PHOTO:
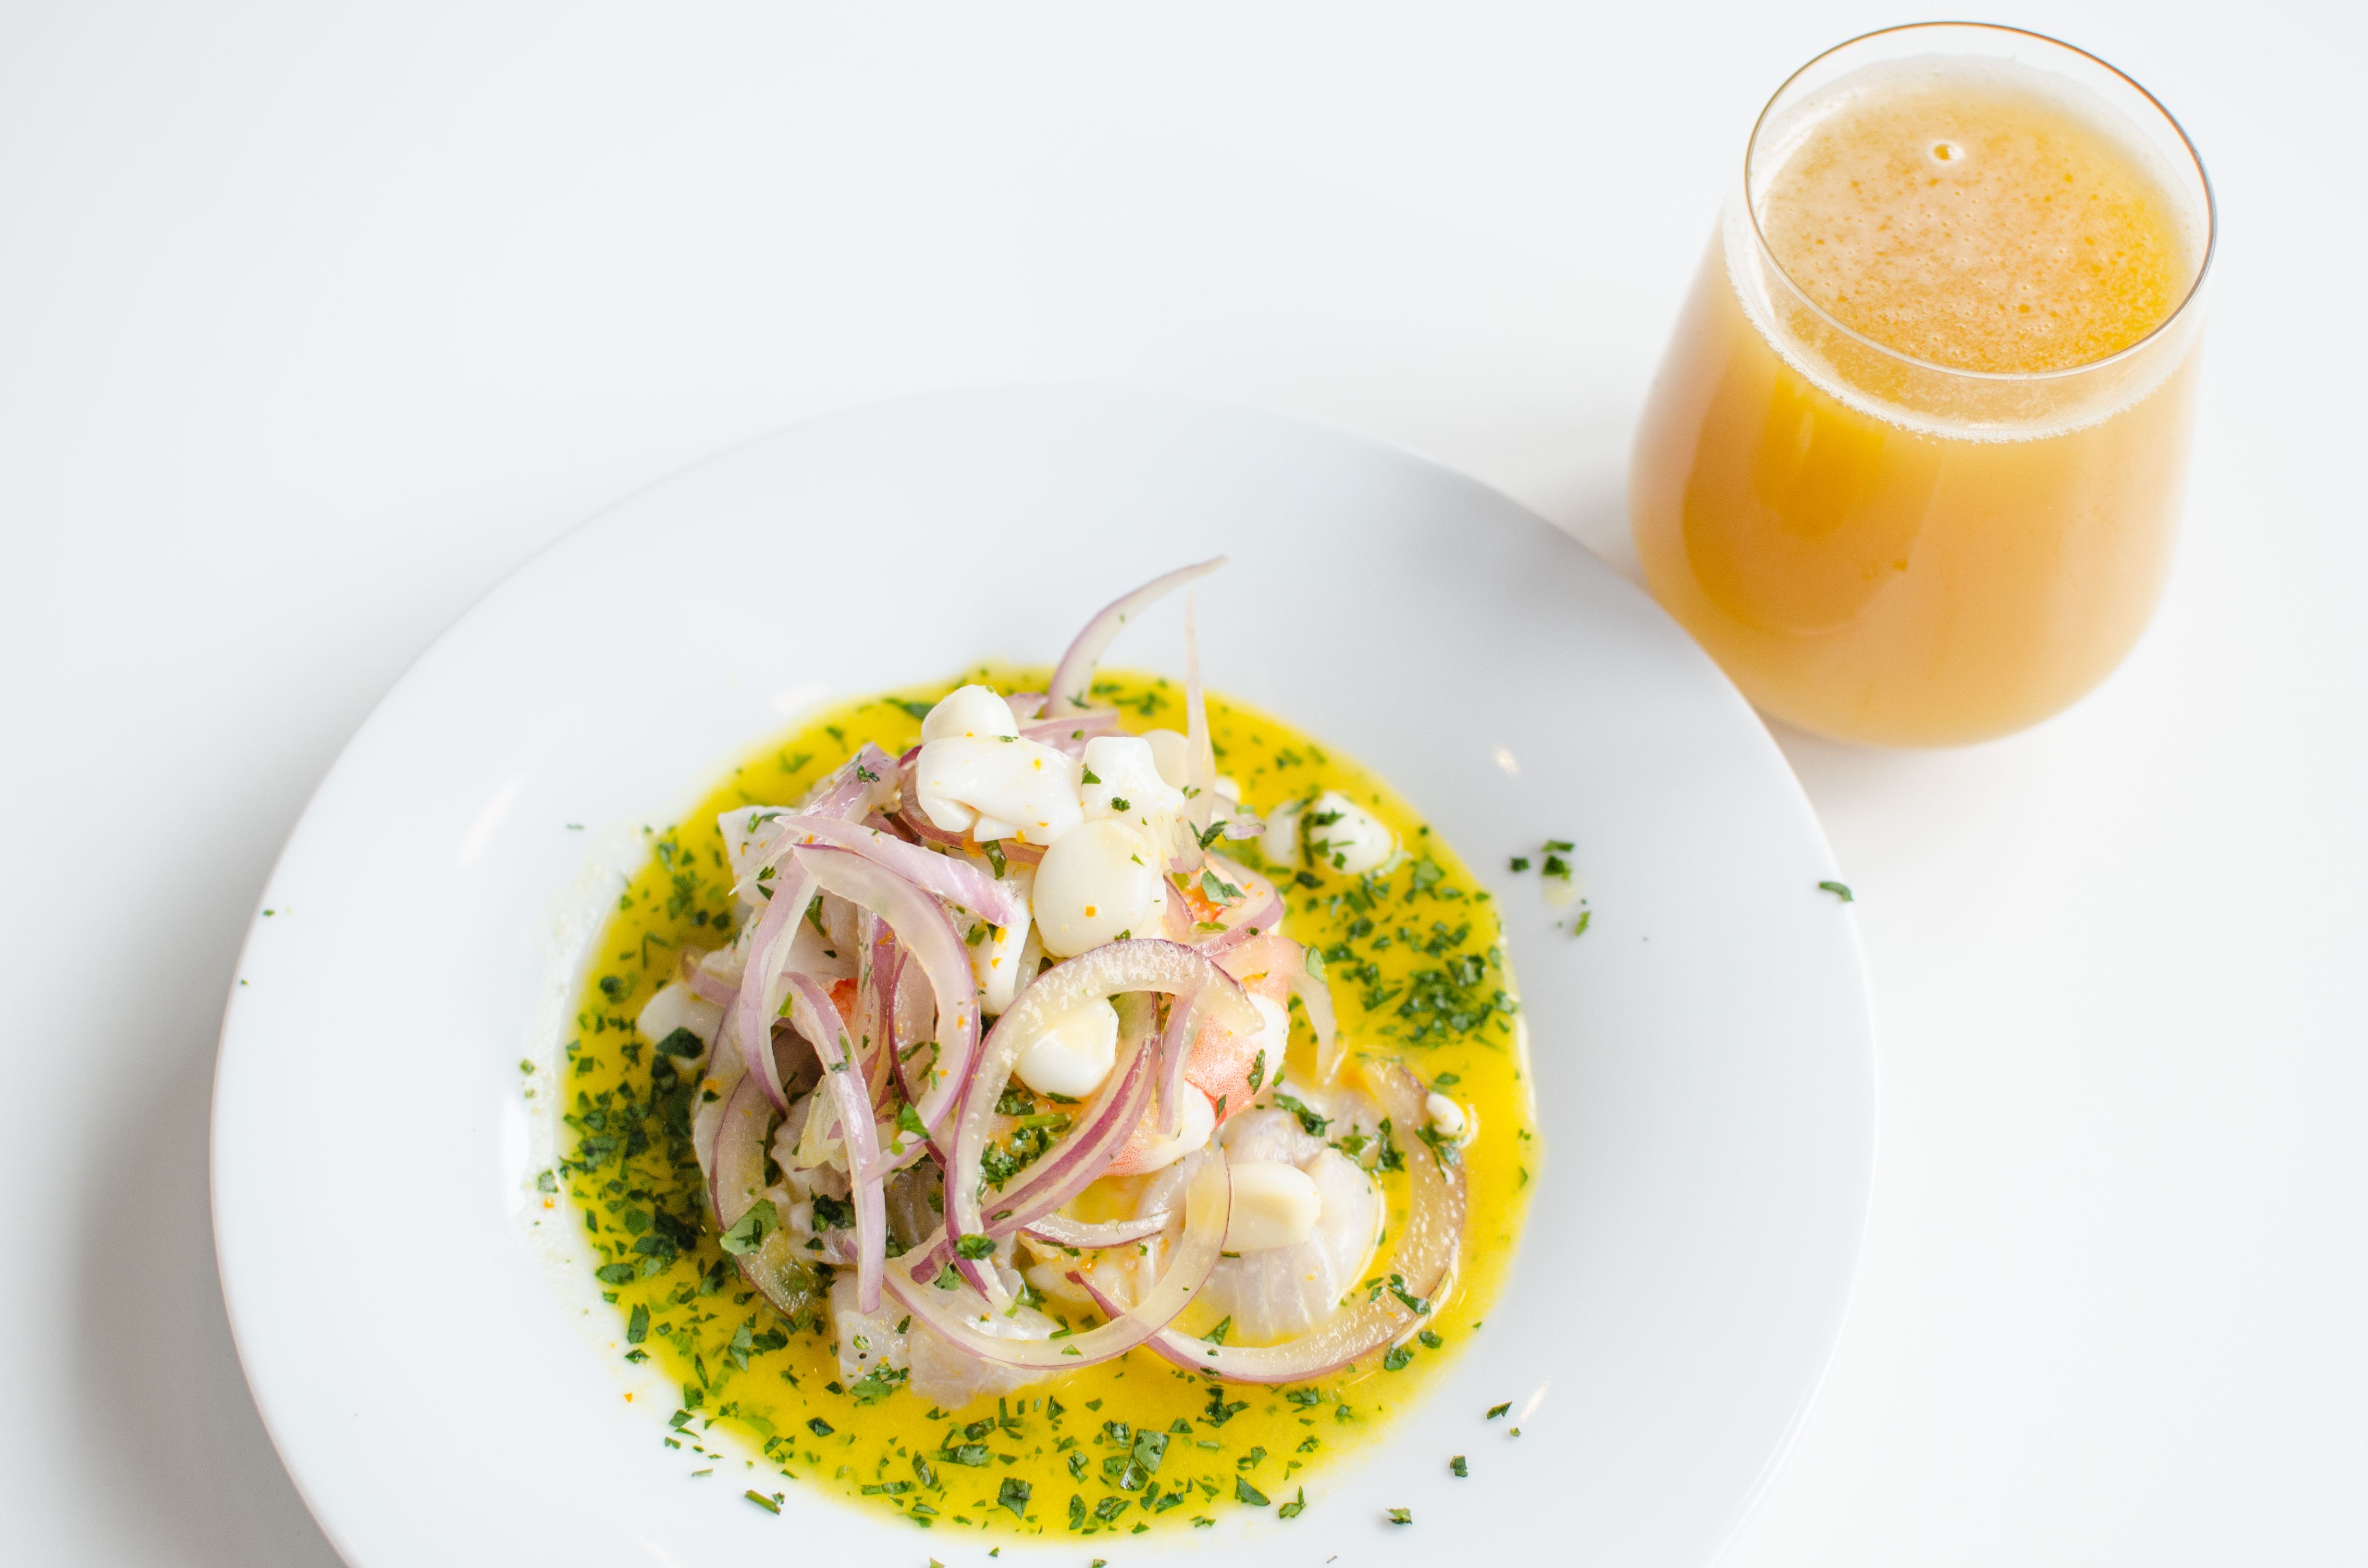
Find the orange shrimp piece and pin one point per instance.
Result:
(1219, 1067)
(1222, 1061)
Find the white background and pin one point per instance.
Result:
(315, 321)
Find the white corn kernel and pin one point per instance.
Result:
(1347, 838)
(1073, 1053)
(1279, 842)
(1445, 1114)
(1275, 1205)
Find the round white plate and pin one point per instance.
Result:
(438, 1373)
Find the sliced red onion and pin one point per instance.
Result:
(1026, 705)
(1075, 678)
(959, 1314)
(1069, 735)
(1282, 957)
(1071, 1165)
(955, 881)
(814, 1016)
(1185, 1018)
(1425, 1263)
(1061, 1231)
(920, 924)
(736, 1165)
(1148, 963)
(875, 1052)
(724, 1070)
(917, 820)
(1079, 1160)
(887, 824)
(865, 781)
(710, 988)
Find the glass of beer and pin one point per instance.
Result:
(1911, 471)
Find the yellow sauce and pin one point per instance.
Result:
(776, 1421)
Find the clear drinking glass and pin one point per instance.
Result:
(1873, 490)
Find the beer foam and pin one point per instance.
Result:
(1975, 214)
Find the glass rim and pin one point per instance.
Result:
(2203, 175)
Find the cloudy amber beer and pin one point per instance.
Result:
(1911, 471)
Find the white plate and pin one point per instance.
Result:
(1703, 1053)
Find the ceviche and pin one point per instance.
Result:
(915, 1111)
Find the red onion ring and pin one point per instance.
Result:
(1208, 1204)
(955, 881)
(920, 924)
(735, 1162)
(1074, 678)
(1069, 735)
(814, 1016)
(1185, 1018)
(1142, 963)
(710, 988)
(862, 782)
(1078, 1161)
(1059, 1229)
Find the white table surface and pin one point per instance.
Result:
(316, 321)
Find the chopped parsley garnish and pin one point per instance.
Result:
(1839, 891)
(1309, 1121)
(1218, 890)
(748, 1232)
(975, 1247)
